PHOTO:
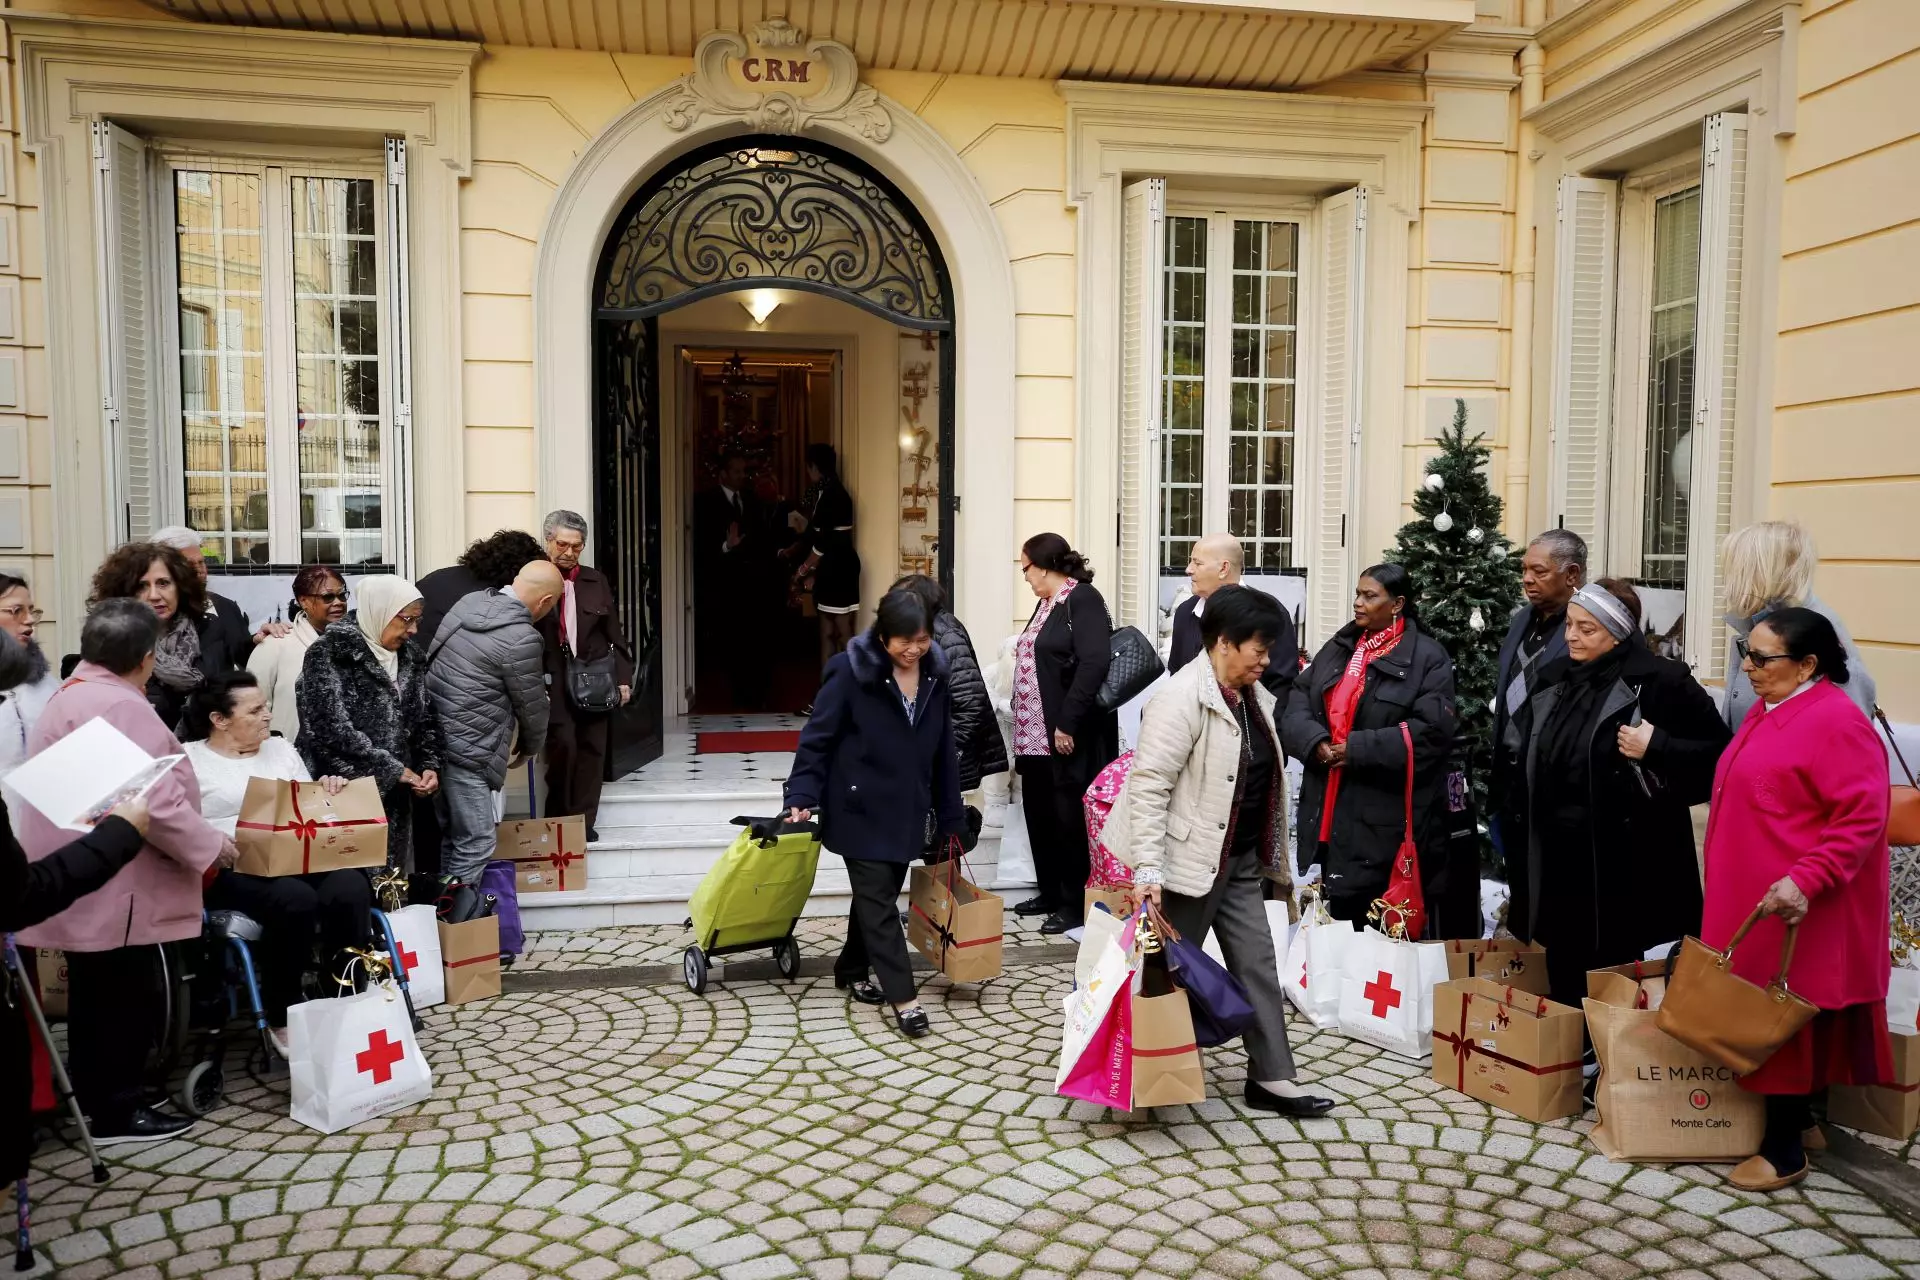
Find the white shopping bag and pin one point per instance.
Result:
(1099, 935)
(1278, 924)
(1386, 992)
(1314, 970)
(1016, 869)
(416, 933)
(1903, 1000)
(354, 1058)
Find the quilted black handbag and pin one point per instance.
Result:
(1132, 666)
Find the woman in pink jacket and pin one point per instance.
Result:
(1799, 828)
(110, 936)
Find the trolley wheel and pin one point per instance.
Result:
(694, 966)
(786, 958)
(200, 1092)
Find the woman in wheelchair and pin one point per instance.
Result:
(226, 727)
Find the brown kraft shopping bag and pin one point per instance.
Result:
(470, 955)
(1659, 1100)
(1890, 1110)
(954, 923)
(297, 829)
(1507, 961)
(1166, 1059)
(1508, 1047)
(549, 855)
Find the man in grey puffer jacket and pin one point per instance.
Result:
(486, 674)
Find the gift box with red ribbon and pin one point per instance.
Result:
(297, 829)
(549, 855)
(1507, 1047)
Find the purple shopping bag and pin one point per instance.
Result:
(1220, 1006)
(498, 881)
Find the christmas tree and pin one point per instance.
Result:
(1468, 577)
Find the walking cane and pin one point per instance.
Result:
(62, 1085)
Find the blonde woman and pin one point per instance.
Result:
(1768, 567)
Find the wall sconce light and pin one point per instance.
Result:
(760, 303)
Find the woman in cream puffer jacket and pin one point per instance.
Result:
(1202, 820)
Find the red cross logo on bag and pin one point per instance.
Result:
(379, 1057)
(1381, 995)
(408, 959)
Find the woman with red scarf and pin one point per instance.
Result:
(1343, 720)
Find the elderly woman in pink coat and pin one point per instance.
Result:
(1798, 829)
(114, 1000)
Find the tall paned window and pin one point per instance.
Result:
(279, 290)
(1228, 378)
(1672, 324)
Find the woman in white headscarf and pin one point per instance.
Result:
(363, 705)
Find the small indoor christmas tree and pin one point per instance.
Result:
(1468, 576)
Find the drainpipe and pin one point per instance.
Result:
(1520, 390)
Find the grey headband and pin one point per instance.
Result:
(1609, 612)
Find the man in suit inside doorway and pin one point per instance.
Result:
(732, 603)
(1216, 562)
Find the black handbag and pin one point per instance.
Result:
(1133, 664)
(593, 685)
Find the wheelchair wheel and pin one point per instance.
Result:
(694, 965)
(786, 958)
(201, 1091)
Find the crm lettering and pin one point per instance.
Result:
(776, 70)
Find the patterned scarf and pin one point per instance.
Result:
(1343, 700)
(176, 656)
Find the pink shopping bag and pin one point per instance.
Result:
(1104, 1072)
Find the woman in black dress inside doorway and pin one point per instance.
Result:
(832, 566)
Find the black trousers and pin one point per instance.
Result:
(1057, 830)
(875, 940)
(116, 1013)
(576, 762)
(288, 909)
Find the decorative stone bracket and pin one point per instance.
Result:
(777, 82)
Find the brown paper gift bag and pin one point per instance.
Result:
(549, 855)
(954, 923)
(1516, 1050)
(1507, 961)
(297, 829)
(1121, 902)
(50, 969)
(1890, 1110)
(1659, 1100)
(470, 955)
(1166, 1060)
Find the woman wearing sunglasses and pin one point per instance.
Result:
(1799, 828)
(319, 600)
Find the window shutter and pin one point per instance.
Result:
(1723, 191)
(121, 216)
(1581, 424)
(1143, 241)
(1343, 269)
(399, 519)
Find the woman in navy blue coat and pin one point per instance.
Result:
(875, 759)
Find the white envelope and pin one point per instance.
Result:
(76, 781)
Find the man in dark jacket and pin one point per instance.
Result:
(583, 626)
(486, 676)
(1217, 561)
(733, 599)
(1533, 659)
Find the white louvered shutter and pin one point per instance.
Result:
(1723, 199)
(1581, 424)
(1343, 270)
(1143, 241)
(398, 327)
(121, 217)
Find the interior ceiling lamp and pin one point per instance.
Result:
(760, 303)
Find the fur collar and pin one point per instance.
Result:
(870, 664)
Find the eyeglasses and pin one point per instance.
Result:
(15, 610)
(331, 597)
(1759, 659)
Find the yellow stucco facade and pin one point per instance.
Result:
(1463, 139)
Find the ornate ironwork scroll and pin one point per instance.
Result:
(774, 213)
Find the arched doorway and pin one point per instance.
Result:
(745, 213)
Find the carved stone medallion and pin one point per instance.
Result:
(777, 81)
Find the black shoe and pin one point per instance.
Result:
(1306, 1108)
(860, 989)
(144, 1125)
(1033, 907)
(914, 1023)
(1059, 922)
(593, 835)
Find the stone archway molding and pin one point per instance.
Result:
(648, 137)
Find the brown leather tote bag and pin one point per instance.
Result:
(1711, 1009)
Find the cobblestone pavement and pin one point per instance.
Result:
(621, 946)
(771, 1129)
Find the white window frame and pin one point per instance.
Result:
(275, 169)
